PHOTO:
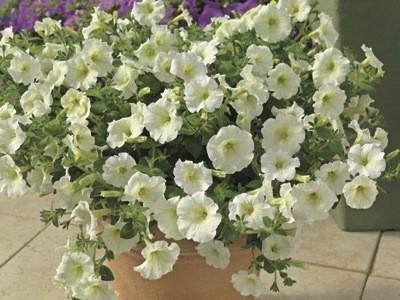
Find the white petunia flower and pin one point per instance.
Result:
(99, 19)
(11, 136)
(56, 75)
(167, 218)
(98, 55)
(81, 139)
(187, 66)
(163, 38)
(330, 68)
(37, 100)
(93, 288)
(252, 208)
(192, 177)
(283, 81)
(215, 253)
(360, 193)
(285, 202)
(80, 74)
(334, 175)
(325, 33)
(81, 215)
(198, 218)
(124, 80)
(124, 130)
(162, 66)
(47, 26)
(74, 267)
(366, 160)
(226, 29)
(358, 106)
(12, 184)
(284, 133)
(148, 12)
(231, 149)
(202, 93)
(76, 105)
(272, 24)
(112, 238)
(147, 53)
(160, 259)
(146, 189)
(206, 50)
(248, 284)
(7, 112)
(278, 164)
(275, 247)
(118, 169)
(248, 107)
(261, 58)
(162, 121)
(24, 68)
(329, 101)
(40, 181)
(298, 9)
(51, 50)
(313, 201)
(381, 138)
(66, 196)
(372, 59)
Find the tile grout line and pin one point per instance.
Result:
(371, 265)
(23, 246)
(335, 267)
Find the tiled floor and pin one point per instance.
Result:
(342, 265)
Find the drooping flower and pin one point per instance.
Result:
(326, 33)
(93, 288)
(313, 201)
(248, 284)
(37, 100)
(98, 55)
(124, 130)
(82, 215)
(162, 66)
(80, 74)
(372, 59)
(198, 218)
(74, 267)
(261, 58)
(47, 26)
(118, 169)
(360, 193)
(272, 24)
(231, 149)
(206, 50)
(12, 184)
(124, 80)
(366, 160)
(275, 247)
(277, 164)
(159, 259)
(215, 253)
(66, 196)
(192, 177)
(111, 236)
(77, 106)
(40, 181)
(167, 218)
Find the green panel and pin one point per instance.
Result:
(375, 23)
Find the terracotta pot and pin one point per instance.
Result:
(191, 278)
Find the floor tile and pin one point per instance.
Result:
(325, 244)
(28, 206)
(29, 274)
(15, 233)
(382, 289)
(319, 283)
(387, 262)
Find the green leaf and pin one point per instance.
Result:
(128, 231)
(105, 273)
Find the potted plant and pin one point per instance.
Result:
(186, 157)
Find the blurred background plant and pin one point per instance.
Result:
(23, 14)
